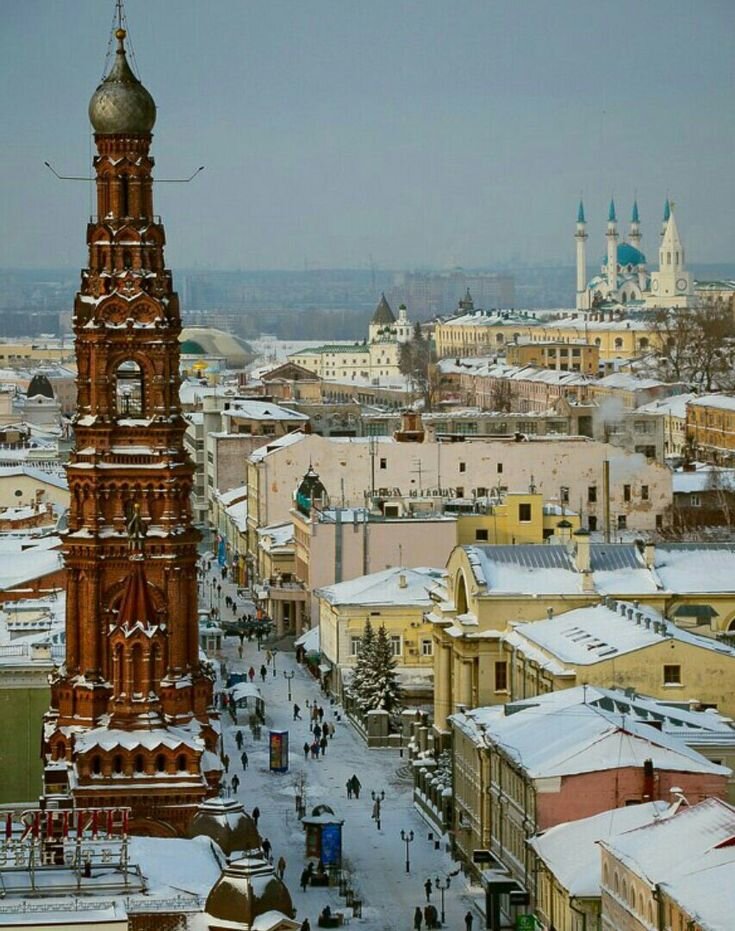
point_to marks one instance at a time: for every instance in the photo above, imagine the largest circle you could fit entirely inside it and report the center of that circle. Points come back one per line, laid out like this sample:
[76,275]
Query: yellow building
[396,598]
[489,587]
[279,593]
[482,333]
[514,518]
[575,356]
[711,427]
[619,644]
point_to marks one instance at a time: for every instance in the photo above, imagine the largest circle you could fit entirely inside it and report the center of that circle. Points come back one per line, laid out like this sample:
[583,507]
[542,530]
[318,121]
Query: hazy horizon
[408,134]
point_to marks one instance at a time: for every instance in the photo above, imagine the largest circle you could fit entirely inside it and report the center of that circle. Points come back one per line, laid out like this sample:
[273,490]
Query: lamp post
[273,654]
[442,889]
[407,838]
[378,798]
[288,676]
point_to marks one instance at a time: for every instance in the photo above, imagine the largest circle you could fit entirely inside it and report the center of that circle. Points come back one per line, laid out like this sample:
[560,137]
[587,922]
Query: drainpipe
[578,911]
[660,921]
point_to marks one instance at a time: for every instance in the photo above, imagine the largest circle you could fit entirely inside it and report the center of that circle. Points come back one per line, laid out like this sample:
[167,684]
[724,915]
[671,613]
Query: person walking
[239,740]
[418,919]
[433,920]
[331,730]
[235,783]
[317,732]
[428,889]
[305,926]
[263,672]
[315,751]
[356,785]
[226,761]
[296,712]
[266,845]
[306,750]
[244,759]
[323,744]
[325,729]
[304,881]
[251,673]
[320,713]
[349,788]
[468,919]
[255,815]
[280,867]
[427,918]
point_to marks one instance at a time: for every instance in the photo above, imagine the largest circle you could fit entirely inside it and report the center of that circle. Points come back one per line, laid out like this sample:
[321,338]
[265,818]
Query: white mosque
[624,277]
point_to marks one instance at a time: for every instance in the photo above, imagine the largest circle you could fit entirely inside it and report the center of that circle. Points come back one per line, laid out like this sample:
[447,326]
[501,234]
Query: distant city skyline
[403,134]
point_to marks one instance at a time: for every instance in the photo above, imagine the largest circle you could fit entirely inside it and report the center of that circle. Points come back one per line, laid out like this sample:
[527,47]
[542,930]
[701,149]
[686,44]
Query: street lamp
[442,889]
[377,798]
[273,655]
[288,676]
[407,839]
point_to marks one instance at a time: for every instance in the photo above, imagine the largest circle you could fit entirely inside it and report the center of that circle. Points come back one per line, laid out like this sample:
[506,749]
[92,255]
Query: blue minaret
[634,237]
[612,249]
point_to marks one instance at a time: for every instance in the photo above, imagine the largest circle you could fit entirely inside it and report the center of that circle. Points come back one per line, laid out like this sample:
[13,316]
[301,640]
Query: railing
[133,906]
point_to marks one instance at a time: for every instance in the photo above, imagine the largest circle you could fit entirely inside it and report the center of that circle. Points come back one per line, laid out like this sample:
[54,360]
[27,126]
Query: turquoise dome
[628,255]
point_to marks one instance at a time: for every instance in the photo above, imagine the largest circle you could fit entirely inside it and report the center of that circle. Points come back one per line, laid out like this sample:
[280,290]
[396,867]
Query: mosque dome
[40,386]
[121,105]
[226,823]
[246,889]
[628,255]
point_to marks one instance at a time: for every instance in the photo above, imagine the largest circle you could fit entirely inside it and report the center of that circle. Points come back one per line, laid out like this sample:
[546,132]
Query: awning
[323,667]
[705,612]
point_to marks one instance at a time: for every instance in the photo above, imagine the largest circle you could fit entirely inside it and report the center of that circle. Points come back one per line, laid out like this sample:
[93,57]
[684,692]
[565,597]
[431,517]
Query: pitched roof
[383,314]
[137,604]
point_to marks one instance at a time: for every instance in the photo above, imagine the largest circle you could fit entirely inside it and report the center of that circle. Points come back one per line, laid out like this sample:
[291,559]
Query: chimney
[648,781]
[402,581]
[582,553]
[629,612]
[549,613]
[564,532]
[638,617]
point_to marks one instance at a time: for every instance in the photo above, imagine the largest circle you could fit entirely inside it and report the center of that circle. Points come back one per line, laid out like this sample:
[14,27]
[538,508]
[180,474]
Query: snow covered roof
[58,480]
[691,855]
[570,852]
[674,406]
[107,738]
[309,641]
[277,534]
[723,402]
[703,480]
[598,633]
[548,739]
[629,382]
[238,513]
[394,586]
[27,562]
[287,439]
[173,865]
[693,568]
[262,410]
[617,568]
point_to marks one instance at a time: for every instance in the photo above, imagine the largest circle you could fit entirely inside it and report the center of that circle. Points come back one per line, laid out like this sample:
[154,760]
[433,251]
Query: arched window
[181,763]
[60,750]
[137,669]
[598,341]
[124,196]
[461,594]
[161,763]
[618,343]
[129,389]
[499,338]
[643,342]
[117,764]
[139,763]
[96,765]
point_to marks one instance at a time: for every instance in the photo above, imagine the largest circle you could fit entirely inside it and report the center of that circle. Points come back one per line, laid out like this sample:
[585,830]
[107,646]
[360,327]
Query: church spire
[611,216]
[580,212]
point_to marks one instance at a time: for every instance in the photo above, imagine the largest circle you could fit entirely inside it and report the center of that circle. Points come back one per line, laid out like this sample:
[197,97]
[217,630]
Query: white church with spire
[624,278]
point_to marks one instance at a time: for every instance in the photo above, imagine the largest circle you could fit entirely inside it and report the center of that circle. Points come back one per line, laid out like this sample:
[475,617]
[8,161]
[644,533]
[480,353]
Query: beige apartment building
[608,487]
[573,356]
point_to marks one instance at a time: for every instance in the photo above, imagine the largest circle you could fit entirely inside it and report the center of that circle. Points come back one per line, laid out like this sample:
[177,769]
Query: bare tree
[696,346]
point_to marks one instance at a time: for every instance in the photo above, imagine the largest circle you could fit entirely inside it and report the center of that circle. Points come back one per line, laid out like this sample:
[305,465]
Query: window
[622,522]
[117,764]
[618,343]
[139,764]
[481,535]
[500,468]
[626,492]
[672,675]
[592,494]
[395,645]
[96,765]
[463,467]
[695,501]
[427,647]
[592,523]
[181,763]
[524,513]
[644,492]
[129,389]
[383,463]
[564,494]
[501,677]
[161,763]
[355,644]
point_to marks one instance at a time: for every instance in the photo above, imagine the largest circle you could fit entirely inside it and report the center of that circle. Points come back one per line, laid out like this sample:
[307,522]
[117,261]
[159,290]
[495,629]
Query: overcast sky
[420,133]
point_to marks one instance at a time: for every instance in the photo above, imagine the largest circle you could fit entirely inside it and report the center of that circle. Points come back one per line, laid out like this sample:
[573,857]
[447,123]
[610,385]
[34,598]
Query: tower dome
[226,823]
[246,889]
[121,105]
[40,386]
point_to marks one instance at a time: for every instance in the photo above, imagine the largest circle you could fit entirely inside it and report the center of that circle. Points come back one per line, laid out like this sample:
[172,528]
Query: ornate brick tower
[131,711]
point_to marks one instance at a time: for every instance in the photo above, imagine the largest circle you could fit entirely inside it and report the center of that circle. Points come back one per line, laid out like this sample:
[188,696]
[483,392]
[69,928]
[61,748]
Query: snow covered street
[375,859]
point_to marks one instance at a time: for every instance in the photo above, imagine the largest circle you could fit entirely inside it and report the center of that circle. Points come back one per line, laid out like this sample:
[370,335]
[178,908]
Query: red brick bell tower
[131,710]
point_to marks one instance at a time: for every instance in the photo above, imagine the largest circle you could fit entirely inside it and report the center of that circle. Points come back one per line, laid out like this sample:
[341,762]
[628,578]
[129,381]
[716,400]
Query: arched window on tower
[129,389]
[124,196]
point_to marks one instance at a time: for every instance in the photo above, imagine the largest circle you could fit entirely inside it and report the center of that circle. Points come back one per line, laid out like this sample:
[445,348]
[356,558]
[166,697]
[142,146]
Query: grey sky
[415,131]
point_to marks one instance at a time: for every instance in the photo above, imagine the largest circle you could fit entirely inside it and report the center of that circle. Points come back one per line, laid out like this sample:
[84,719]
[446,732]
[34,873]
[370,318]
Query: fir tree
[363,667]
[381,690]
